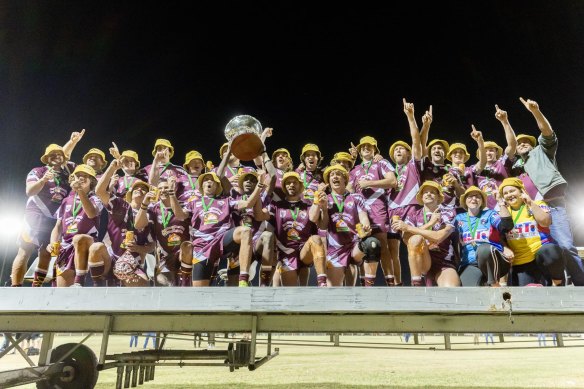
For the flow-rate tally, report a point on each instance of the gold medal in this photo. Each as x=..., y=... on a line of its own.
x=210, y=218
x=72, y=228
x=342, y=226
x=173, y=240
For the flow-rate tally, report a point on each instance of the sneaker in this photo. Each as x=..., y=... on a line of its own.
x=76, y=285
x=418, y=283
x=534, y=285
x=322, y=285
x=243, y=284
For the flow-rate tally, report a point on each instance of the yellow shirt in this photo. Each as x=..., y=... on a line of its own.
x=527, y=236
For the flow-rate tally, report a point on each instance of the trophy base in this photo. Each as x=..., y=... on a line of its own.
x=247, y=146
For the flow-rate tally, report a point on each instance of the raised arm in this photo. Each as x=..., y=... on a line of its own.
x=87, y=205
x=478, y=137
x=414, y=131
x=102, y=188
x=141, y=219
x=178, y=211
x=542, y=122
x=426, y=121
x=542, y=217
x=502, y=116
x=72, y=142
x=268, y=131
x=221, y=170
x=34, y=187
x=154, y=176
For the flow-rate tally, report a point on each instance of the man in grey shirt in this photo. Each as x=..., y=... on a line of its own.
x=539, y=162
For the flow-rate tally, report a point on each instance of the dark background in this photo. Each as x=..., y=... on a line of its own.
x=131, y=72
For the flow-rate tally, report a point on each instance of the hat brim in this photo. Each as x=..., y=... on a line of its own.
x=465, y=195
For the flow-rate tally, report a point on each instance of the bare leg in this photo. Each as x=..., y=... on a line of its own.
x=186, y=264
x=313, y=252
x=265, y=245
x=289, y=278
x=19, y=264
x=100, y=263
x=66, y=278
x=81, y=243
x=393, y=245
x=42, y=267
x=386, y=260
x=242, y=236
x=448, y=278
x=351, y=275
x=418, y=258
x=335, y=276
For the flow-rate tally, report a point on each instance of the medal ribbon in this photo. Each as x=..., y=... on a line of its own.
x=306, y=184
x=368, y=167
x=164, y=168
x=127, y=184
x=340, y=206
x=473, y=229
x=193, y=186
x=75, y=209
x=518, y=214
x=294, y=215
x=206, y=206
x=165, y=218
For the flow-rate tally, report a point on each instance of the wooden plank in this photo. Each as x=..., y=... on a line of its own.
x=296, y=323
x=289, y=300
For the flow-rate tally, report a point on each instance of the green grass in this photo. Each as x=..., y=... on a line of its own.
x=375, y=361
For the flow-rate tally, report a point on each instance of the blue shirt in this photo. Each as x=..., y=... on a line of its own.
x=484, y=230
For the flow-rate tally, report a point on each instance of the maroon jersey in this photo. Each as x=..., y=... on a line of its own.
x=166, y=171
x=210, y=220
x=187, y=186
x=343, y=212
x=432, y=172
x=310, y=181
x=375, y=198
x=74, y=219
x=169, y=232
x=232, y=171
x=408, y=178
x=121, y=219
x=48, y=200
x=124, y=183
x=491, y=177
x=443, y=251
x=292, y=224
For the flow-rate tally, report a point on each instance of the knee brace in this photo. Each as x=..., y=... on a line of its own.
x=371, y=247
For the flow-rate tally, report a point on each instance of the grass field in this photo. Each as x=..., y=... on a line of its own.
x=370, y=361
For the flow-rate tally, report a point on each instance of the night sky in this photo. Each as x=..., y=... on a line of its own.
x=131, y=72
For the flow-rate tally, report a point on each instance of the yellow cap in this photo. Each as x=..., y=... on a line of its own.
x=215, y=178
x=490, y=144
x=455, y=146
x=94, y=151
x=343, y=156
x=134, y=185
x=280, y=150
x=288, y=175
x=49, y=149
x=243, y=177
x=444, y=144
x=330, y=169
x=529, y=138
x=222, y=149
x=131, y=154
x=82, y=168
x=192, y=155
x=368, y=140
x=163, y=142
x=395, y=144
x=310, y=147
x=431, y=184
x=470, y=190
x=511, y=181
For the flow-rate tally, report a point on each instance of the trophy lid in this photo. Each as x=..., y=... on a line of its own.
x=242, y=124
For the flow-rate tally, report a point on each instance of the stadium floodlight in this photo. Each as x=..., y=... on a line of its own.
x=10, y=225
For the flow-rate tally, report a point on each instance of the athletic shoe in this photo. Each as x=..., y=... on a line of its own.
x=535, y=285
x=243, y=284
x=76, y=285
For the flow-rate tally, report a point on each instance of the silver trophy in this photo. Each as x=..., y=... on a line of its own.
x=244, y=131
